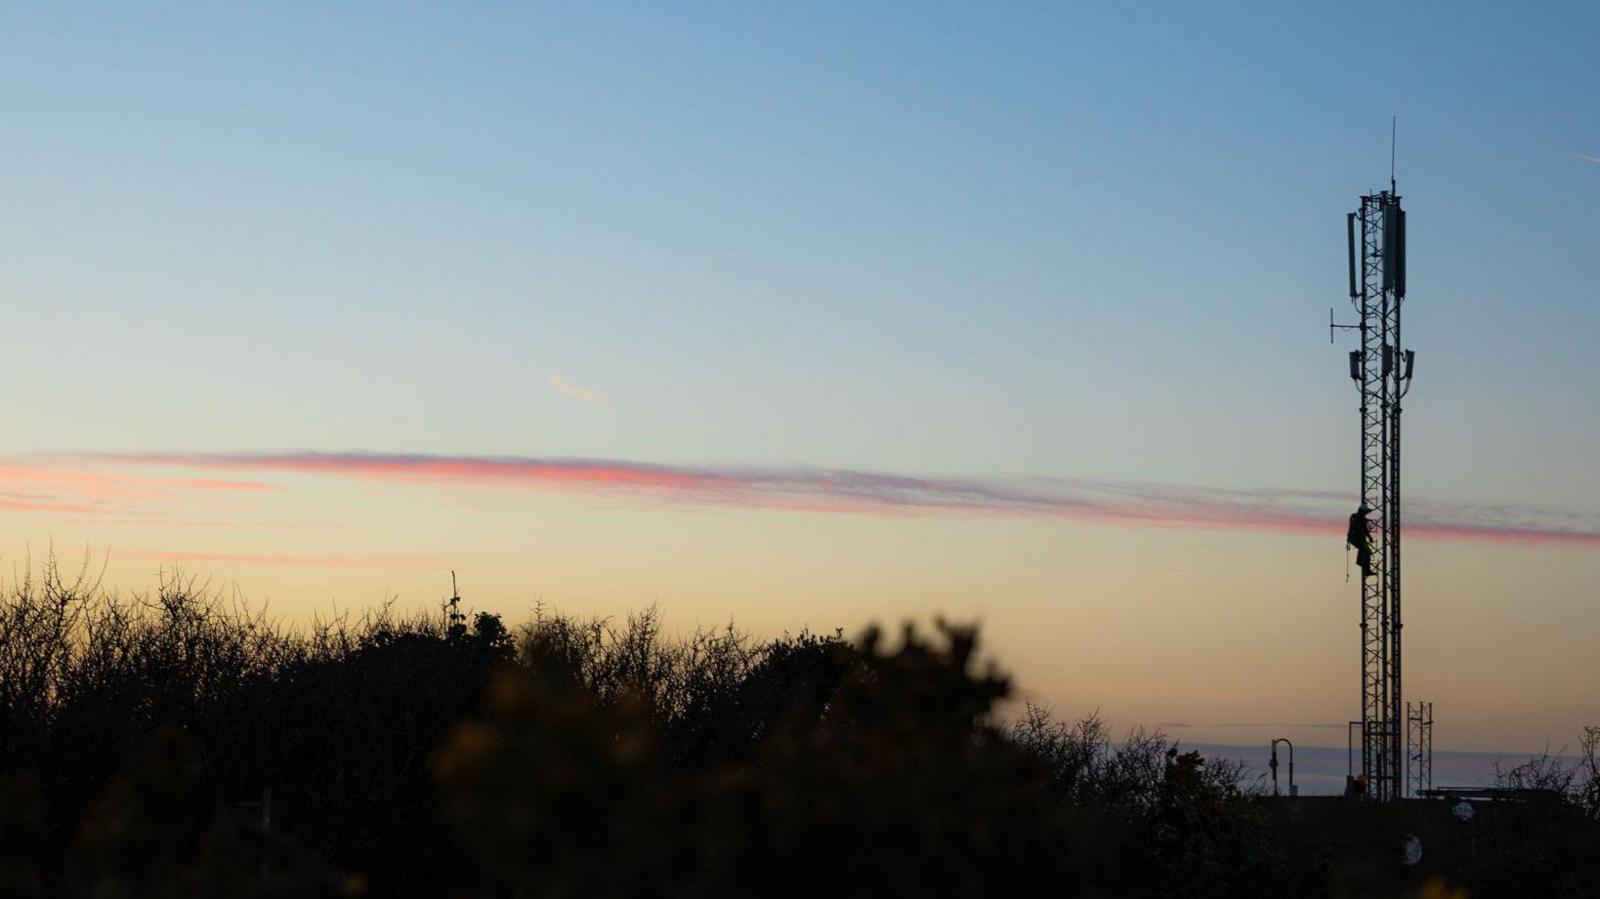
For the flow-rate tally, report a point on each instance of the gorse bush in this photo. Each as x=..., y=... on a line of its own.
x=182, y=744
x=337, y=722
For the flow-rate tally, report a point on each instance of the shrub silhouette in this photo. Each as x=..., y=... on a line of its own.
x=447, y=754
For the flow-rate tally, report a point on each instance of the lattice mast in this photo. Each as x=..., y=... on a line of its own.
x=1382, y=372
x=1419, y=746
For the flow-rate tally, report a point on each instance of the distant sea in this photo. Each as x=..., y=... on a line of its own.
x=1320, y=770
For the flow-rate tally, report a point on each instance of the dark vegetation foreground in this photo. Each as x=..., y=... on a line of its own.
x=177, y=745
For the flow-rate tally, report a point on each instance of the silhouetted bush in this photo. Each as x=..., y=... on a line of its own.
x=182, y=744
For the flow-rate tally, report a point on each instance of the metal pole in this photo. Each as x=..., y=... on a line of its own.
x=1275, y=742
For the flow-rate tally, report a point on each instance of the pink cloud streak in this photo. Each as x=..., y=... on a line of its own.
x=102, y=484
x=1294, y=512
x=93, y=493
x=178, y=557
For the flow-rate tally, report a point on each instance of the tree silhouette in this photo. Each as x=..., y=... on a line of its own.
x=180, y=743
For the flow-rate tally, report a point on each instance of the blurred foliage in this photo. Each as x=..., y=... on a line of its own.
x=181, y=744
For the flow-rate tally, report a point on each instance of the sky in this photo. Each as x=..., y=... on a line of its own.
x=822, y=314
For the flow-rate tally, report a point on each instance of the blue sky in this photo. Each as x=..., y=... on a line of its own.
x=944, y=220
x=1083, y=241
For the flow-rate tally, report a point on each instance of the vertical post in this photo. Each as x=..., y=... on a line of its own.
x=1419, y=746
x=1427, y=747
x=1399, y=371
x=1273, y=764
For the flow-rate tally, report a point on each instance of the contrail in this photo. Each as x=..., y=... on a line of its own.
x=831, y=491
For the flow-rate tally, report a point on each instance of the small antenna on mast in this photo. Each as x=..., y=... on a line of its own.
x=1394, y=122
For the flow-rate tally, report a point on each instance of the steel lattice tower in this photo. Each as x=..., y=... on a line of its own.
x=1382, y=372
x=1419, y=746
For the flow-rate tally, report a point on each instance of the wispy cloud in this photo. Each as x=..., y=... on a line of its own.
x=833, y=491
x=1586, y=156
x=105, y=484
x=581, y=394
x=179, y=557
x=94, y=492
x=1284, y=724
